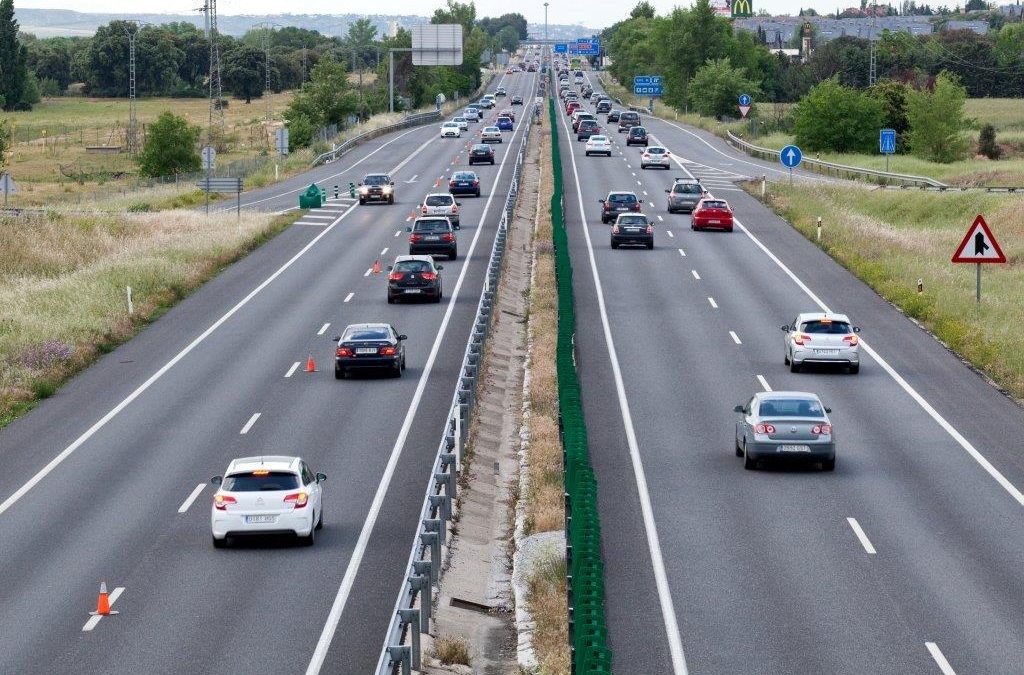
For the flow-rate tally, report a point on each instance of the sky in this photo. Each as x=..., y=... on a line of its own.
x=599, y=14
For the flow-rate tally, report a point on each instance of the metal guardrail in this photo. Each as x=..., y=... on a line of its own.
x=838, y=170
x=423, y=570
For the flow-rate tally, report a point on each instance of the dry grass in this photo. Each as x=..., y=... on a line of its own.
x=892, y=239
x=63, y=280
x=451, y=649
x=546, y=596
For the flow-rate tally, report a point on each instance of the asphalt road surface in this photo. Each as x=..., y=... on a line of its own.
x=109, y=479
x=907, y=559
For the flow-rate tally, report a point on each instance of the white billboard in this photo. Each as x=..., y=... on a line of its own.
x=722, y=7
x=437, y=44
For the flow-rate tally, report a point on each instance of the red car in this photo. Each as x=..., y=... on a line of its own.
x=711, y=213
x=572, y=106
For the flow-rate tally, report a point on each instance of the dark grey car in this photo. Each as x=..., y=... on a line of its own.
x=785, y=425
x=684, y=195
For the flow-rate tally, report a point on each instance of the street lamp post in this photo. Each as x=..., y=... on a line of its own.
x=545, y=22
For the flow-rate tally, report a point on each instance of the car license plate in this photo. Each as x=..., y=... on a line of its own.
x=432, y=237
x=714, y=222
x=826, y=351
x=260, y=519
x=463, y=184
x=366, y=350
x=794, y=448
x=634, y=230
x=413, y=290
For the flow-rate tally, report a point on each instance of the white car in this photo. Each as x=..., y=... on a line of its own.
x=441, y=204
x=450, y=130
x=462, y=122
x=486, y=102
x=656, y=155
x=490, y=135
x=824, y=338
x=472, y=114
x=599, y=145
x=267, y=495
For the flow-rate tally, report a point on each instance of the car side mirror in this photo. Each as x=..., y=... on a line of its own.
x=828, y=410
x=667, y=191
x=457, y=227
x=403, y=337
x=408, y=229
x=739, y=409
x=856, y=329
x=217, y=480
x=639, y=201
x=390, y=267
x=321, y=477
x=359, y=184
x=785, y=329
x=458, y=203
x=600, y=201
x=439, y=268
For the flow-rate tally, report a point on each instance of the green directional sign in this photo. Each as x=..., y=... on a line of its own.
x=742, y=8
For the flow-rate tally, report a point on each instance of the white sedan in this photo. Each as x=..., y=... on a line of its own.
x=267, y=495
x=450, y=130
x=656, y=156
x=490, y=135
x=599, y=145
x=462, y=122
x=471, y=114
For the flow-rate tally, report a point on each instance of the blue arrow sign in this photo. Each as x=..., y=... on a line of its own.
x=744, y=99
x=887, y=141
x=561, y=48
x=791, y=156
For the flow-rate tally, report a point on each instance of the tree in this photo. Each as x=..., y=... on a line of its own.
x=716, y=87
x=13, y=55
x=837, y=118
x=507, y=39
x=5, y=142
x=300, y=132
x=936, y=120
x=643, y=9
x=170, y=147
x=893, y=97
x=327, y=98
x=975, y=6
x=244, y=72
x=987, y=142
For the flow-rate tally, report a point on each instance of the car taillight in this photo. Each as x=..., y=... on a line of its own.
x=447, y=236
x=297, y=499
x=343, y=351
x=650, y=229
x=606, y=206
x=387, y=351
x=764, y=429
x=396, y=276
x=424, y=210
x=475, y=183
x=851, y=340
x=414, y=238
x=636, y=207
x=451, y=183
x=821, y=429
x=429, y=276
x=615, y=229
x=455, y=209
x=801, y=339
x=220, y=502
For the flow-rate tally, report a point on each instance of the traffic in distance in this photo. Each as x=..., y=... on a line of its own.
x=775, y=427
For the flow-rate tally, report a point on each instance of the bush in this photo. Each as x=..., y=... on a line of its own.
x=837, y=118
x=449, y=650
x=170, y=147
x=50, y=87
x=987, y=142
x=936, y=120
x=717, y=85
x=300, y=132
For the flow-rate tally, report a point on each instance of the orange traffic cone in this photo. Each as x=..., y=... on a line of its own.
x=376, y=266
x=103, y=602
x=310, y=364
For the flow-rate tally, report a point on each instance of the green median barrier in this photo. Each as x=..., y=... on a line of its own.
x=312, y=198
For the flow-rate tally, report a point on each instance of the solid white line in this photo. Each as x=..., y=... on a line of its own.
x=317, y=216
x=384, y=250
x=292, y=370
x=1017, y=495
x=348, y=297
x=859, y=531
x=669, y=233
x=191, y=498
x=714, y=304
x=368, y=272
x=338, y=606
x=111, y=599
x=668, y=612
x=940, y=659
x=682, y=253
x=248, y=425
x=695, y=275
x=764, y=382
x=323, y=329
x=735, y=337
x=99, y=424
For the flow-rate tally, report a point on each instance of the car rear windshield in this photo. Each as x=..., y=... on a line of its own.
x=687, y=189
x=790, y=407
x=626, y=116
x=376, y=180
x=414, y=266
x=492, y=130
x=463, y=175
x=598, y=139
x=715, y=205
x=365, y=333
x=260, y=481
x=655, y=151
x=431, y=225
x=632, y=220
x=587, y=124
x=440, y=200
x=482, y=148
x=638, y=131
x=622, y=198
x=825, y=327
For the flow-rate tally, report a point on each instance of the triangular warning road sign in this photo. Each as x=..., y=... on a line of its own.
x=744, y=109
x=979, y=246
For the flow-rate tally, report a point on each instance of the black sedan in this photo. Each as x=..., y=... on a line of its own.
x=481, y=153
x=632, y=229
x=414, y=276
x=637, y=136
x=464, y=183
x=369, y=346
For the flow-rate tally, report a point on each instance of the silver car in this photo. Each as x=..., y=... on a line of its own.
x=785, y=425
x=441, y=204
x=472, y=114
x=684, y=195
x=819, y=337
x=655, y=155
x=490, y=135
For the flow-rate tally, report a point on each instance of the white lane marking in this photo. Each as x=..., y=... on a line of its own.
x=341, y=598
x=669, y=233
x=191, y=498
x=682, y=253
x=384, y=250
x=99, y=424
x=323, y=328
x=711, y=301
x=413, y=179
x=939, y=658
x=291, y=371
x=348, y=297
x=368, y=272
x=111, y=599
x=668, y=612
x=645, y=193
x=248, y=425
x=303, y=222
x=400, y=232
x=317, y=216
x=660, y=219
x=760, y=378
x=638, y=182
x=634, y=173
x=735, y=337
x=992, y=471
x=695, y=275
x=859, y=531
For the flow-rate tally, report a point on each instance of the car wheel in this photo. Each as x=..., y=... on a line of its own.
x=396, y=371
x=477, y=193
x=785, y=358
x=220, y=543
x=339, y=373
x=650, y=247
x=391, y=299
x=492, y=164
x=403, y=362
x=854, y=369
x=749, y=463
x=320, y=520
x=728, y=229
x=436, y=299
x=739, y=450
x=309, y=539
x=614, y=245
x=794, y=367
x=361, y=202
x=586, y=154
x=453, y=254
x=829, y=464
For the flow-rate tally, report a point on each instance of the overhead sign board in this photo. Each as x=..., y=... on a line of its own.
x=887, y=141
x=979, y=245
x=562, y=48
x=586, y=47
x=790, y=156
x=647, y=85
x=437, y=44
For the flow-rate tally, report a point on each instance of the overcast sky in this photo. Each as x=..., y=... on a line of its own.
x=599, y=13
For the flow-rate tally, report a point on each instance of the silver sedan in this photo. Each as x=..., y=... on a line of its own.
x=819, y=337
x=785, y=425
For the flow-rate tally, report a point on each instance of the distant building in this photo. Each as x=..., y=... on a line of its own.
x=779, y=30
x=392, y=29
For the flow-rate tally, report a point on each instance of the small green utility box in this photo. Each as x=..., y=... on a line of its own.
x=312, y=198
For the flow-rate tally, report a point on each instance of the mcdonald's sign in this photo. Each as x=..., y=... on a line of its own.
x=742, y=8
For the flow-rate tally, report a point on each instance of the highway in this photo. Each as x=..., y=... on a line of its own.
x=905, y=560
x=109, y=479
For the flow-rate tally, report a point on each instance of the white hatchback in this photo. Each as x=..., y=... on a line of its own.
x=821, y=338
x=267, y=495
x=490, y=135
x=471, y=114
x=599, y=145
x=462, y=122
x=655, y=156
x=450, y=130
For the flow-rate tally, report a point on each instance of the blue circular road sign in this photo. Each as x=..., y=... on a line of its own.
x=744, y=99
x=790, y=156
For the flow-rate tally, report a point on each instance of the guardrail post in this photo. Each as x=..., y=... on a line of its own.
x=439, y=527
x=446, y=479
x=819, y=228
x=443, y=504
x=449, y=462
x=420, y=582
x=764, y=182
x=432, y=540
x=401, y=654
x=411, y=617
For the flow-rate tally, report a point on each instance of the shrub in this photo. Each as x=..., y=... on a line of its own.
x=936, y=119
x=449, y=649
x=837, y=118
x=987, y=142
x=170, y=147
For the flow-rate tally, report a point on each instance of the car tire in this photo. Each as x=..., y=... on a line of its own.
x=309, y=539
x=220, y=543
x=586, y=154
x=854, y=369
x=739, y=450
x=829, y=465
x=492, y=164
x=437, y=299
x=396, y=371
x=339, y=373
x=650, y=247
x=454, y=254
x=614, y=245
x=785, y=359
x=362, y=202
x=794, y=367
x=320, y=520
x=749, y=463
x=391, y=299
x=477, y=193
x=391, y=199
x=403, y=362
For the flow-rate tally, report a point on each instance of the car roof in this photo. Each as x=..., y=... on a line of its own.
x=687, y=180
x=269, y=462
x=817, y=316
x=793, y=395
x=414, y=258
x=441, y=194
x=491, y=129
x=621, y=192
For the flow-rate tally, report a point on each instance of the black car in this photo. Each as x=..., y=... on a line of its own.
x=632, y=229
x=500, y=91
x=377, y=187
x=517, y=100
x=414, y=276
x=369, y=346
x=613, y=116
x=433, y=235
x=627, y=120
x=616, y=203
x=464, y=183
x=586, y=129
x=637, y=136
x=482, y=153
x=605, y=106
